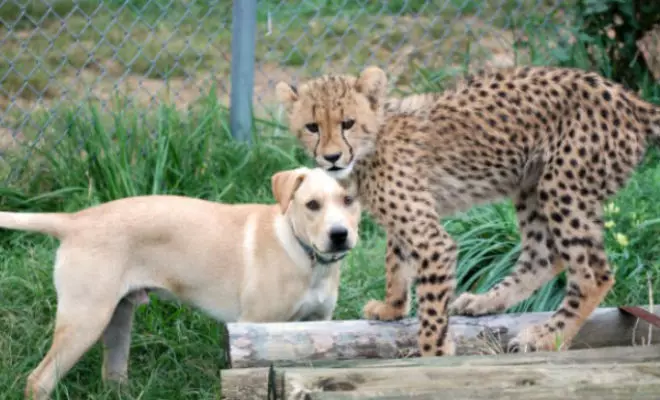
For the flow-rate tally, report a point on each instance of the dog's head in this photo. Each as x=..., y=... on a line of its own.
x=323, y=211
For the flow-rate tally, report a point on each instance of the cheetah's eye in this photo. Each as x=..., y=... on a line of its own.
x=313, y=205
x=313, y=127
x=348, y=124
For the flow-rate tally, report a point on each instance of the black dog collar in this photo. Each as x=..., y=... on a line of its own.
x=316, y=257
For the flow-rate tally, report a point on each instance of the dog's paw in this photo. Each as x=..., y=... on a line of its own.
x=115, y=378
x=381, y=311
x=473, y=305
x=535, y=338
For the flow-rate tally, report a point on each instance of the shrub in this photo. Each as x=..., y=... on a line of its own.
x=612, y=29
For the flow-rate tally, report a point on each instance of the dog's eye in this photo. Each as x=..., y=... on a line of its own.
x=313, y=205
x=348, y=124
x=348, y=200
x=313, y=127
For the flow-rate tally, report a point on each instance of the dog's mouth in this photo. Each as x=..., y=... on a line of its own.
x=335, y=251
x=332, y=254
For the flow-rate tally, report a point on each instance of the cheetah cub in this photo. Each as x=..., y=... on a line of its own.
x=556, y=141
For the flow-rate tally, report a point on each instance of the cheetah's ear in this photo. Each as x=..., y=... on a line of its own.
x=285, y=183
x=286, y=94
x=372, y=82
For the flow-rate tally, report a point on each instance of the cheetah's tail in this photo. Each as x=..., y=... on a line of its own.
x=650, y=114
x=654, y=121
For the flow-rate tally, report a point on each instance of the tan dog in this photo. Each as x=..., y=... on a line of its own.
x=247, y=262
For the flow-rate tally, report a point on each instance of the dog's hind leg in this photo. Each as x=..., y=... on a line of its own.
x=117, y=343
x=85, y=305
x=77, y=328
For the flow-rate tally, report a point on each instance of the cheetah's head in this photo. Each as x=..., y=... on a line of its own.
x=336, y=117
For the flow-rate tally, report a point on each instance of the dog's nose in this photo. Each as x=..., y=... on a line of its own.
x=338, y=236
x=332, y=157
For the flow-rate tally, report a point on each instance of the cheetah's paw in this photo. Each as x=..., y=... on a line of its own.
x=471, y=304
x=535, y=338
x=378, y=310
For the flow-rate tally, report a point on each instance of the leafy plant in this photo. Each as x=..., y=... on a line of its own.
x=612, y=28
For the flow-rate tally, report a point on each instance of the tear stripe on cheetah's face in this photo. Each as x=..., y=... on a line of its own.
x=337, y=118
x=556, y=141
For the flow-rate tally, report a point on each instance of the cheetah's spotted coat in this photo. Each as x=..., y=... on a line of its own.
x=556, y=141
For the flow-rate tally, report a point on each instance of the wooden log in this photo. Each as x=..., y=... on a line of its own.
x=299, y=343
x=607, y=373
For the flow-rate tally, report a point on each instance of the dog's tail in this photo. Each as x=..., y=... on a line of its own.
x=49, y=223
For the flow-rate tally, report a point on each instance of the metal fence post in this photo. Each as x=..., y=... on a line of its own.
x=244, y=26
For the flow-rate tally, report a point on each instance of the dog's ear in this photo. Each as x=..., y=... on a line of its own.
x=285, y=183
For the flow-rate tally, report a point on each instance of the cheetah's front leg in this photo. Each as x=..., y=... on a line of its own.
x=432, y=253
x=436, y=253
x=398, y=276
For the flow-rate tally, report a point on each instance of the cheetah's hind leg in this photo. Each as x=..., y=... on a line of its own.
x=537, y=263
x=578, y=236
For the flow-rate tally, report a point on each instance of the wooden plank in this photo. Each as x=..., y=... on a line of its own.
x=621, y=391
x=291, y=343
x=472, y=381
x=252, y=382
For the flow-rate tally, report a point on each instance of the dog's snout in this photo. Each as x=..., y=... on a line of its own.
x=338, y=236
x=332, y=158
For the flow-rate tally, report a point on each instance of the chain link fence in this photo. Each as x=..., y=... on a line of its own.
x=63, y=54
